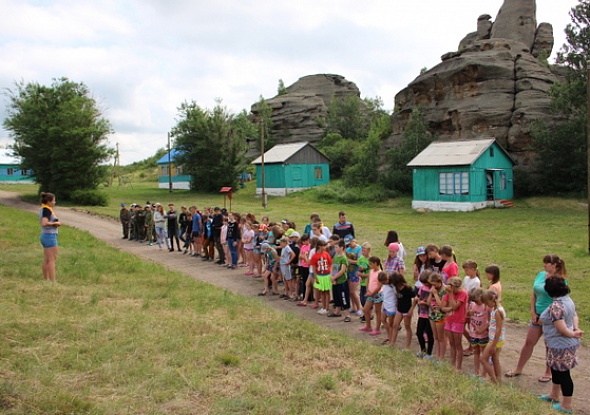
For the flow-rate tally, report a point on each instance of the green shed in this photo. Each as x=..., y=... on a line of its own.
x=291, y=167
x=462, y=176
x=11, y=173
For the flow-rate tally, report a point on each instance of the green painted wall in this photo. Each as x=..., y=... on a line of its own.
x=282, y=176
x=426, y=180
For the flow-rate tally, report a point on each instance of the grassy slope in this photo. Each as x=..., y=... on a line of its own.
x=117, y=335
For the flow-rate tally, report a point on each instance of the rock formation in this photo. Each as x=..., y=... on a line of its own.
x=494, y=85
x=296, y=115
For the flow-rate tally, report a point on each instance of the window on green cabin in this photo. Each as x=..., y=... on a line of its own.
x=453, y=183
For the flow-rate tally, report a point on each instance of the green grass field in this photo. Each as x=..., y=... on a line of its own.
x=120, y=336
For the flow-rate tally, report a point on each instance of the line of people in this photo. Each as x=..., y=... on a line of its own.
x=328, y=271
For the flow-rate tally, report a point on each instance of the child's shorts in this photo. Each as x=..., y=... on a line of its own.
x=286, y=271
x=388, y=313
x=376, y=299
x=479, y=342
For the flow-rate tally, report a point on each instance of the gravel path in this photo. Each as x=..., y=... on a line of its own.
x=109, y=231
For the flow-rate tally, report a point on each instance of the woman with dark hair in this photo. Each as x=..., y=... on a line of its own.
x=540, y=300
x=562, y=336
x=49, y=224
x=392, y=237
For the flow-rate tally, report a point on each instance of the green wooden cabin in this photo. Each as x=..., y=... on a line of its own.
x=291, y=167
x=11, y=173
x=462, y=176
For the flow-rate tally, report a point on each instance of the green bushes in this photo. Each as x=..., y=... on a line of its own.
x=89, y=198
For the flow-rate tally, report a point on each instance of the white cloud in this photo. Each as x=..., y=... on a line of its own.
x=142, y=59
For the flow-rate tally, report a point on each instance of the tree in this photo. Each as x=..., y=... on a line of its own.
x=561, y=150
x=282, y=89
x=397, y=176
x=59, y=135
x=263, y=113
x=349, y=118
x=211, y=145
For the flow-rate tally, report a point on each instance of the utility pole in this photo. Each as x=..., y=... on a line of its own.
x=588, y=142
x=264, y=200
x=169, y=165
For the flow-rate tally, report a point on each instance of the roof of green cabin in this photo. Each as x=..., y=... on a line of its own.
x=454, y=153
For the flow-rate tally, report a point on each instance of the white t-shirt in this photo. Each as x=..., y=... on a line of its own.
x=471, y=284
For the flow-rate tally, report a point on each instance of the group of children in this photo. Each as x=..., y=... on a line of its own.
x=321, y=267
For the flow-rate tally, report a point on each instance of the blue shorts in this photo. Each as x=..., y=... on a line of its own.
x=48, y=240
x=389, y=313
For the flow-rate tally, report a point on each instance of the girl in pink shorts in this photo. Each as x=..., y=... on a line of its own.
x=454, y=303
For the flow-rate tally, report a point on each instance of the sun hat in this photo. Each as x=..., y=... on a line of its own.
x=394, y=246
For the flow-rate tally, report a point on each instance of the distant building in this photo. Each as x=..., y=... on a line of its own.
x=291, y=167
x=167, y=167
x=462, y=176
x=10, y=171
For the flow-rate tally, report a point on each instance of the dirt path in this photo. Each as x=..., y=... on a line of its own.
x=235, y=281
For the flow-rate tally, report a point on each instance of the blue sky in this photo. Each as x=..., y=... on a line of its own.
x=143, y=58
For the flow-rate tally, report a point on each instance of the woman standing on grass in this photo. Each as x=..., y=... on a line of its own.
x=562, y=336
x=49, y=224
x=540, y=300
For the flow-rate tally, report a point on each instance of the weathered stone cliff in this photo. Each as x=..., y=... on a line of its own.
x=495, y=85
x=296, y=115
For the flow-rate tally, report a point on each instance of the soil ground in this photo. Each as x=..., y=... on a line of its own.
x=109, y=231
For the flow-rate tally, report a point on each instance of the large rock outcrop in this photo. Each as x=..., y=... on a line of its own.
x=298, y=114
x=496, y=84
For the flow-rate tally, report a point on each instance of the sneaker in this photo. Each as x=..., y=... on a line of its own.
x=362, y=319
x=359, y=313
x=150, y=244
x=322, y=311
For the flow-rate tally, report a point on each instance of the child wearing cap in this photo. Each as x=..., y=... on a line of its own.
x=272, y=267
x=353, y=252
x=419, y=266
x=394, y=263
x=287, y=256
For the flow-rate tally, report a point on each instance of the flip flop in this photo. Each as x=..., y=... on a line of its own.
x=558, y=408
x=548, y=398
x=544, y=379
x=512, y=374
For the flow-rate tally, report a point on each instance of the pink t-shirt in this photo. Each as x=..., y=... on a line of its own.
x=480, y=316
x=303, y=253
x=450, y=270
x=374, y=281
x=460, y=314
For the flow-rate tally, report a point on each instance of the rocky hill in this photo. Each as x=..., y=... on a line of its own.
x=297, y=115
x=495, y=84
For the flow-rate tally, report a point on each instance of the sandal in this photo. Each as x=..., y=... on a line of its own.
x=334, y=315
x=511, y=374
x=262, y=294
x=347, y=319
x=544, y=379
x=301, y=304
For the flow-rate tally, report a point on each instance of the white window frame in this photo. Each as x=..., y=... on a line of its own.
x=453, y=183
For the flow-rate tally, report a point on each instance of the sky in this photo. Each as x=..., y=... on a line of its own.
x=143, y=58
